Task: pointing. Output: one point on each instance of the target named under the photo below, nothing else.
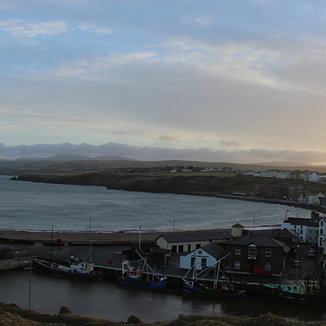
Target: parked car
(297, 263)
(311, 253)
(262, 272)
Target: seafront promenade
(67, 238)
(76, 238)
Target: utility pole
(51, 240)
(30, 285)
(139, 238)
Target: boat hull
(210, 292)
(51, 268)
(143, 284)
(288, 293)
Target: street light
(170, 219)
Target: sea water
(41, 206)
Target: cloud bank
(157, 153)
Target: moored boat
(224, 289)
(140, 275)
(297, 291)
(214, 287)
(75, 268)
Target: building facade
(251, 252)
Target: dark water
(107, 300)
(38, 206)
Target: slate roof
(237, 225)
(275, 233)
(302, 221)
(214, 249)
(258, 240)
(194, 236)
(285, 234)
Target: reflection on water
(107, 300)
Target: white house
(207, 256)
(322, 234)
(283, 175)
(311, 177)
(306, 228)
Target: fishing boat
(223, 289)
(296, 291)
(216, 287)
(74, 268)
(140, 275)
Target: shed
(207, 256)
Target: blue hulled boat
(140, 275)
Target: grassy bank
(13, 315)
(196, 183)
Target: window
(268, 253)
(189, 247)
(268, 267)
(203, 262)
(193, 260)
(174, 249)
(321, 231)
(237, 251)
(197, 245)
(180, 249)
(237, 265)
(252, 252)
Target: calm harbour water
(105, 299)
(37, 206)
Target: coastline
(318, 208)
(220, 187)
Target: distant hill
(67, 157)
(65, 163)
(112, 158)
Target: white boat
(75, 268)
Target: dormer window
(252, 251)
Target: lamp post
(51, 240)
(170, 219)
(139, 238)
(30, 285)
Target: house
(322, 234)
(286, 236)
(306, 228)
(311, 177)
(207, 256)
(188, 241)
(251, 252)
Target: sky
(239, 80)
